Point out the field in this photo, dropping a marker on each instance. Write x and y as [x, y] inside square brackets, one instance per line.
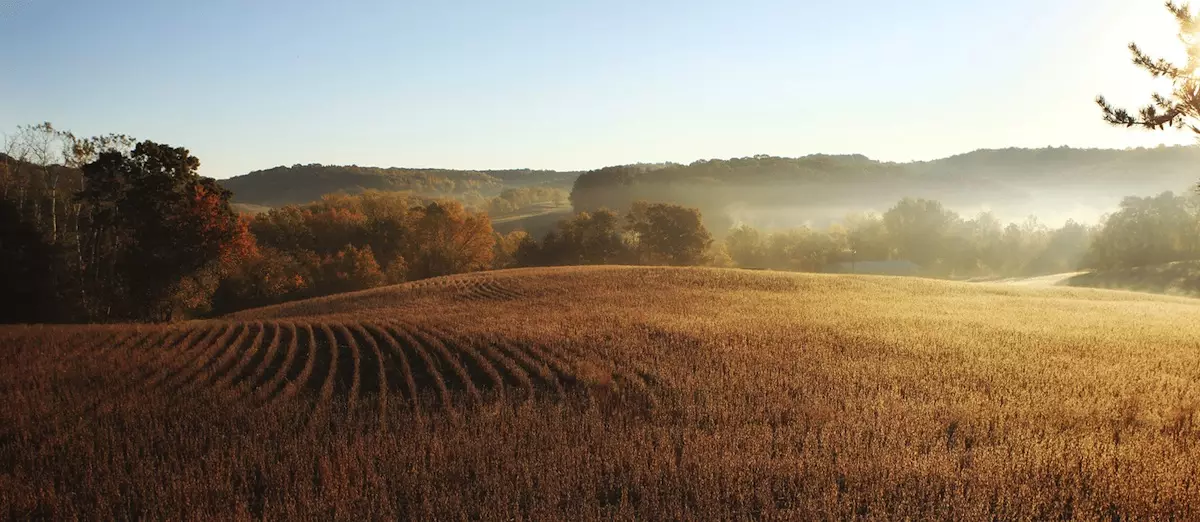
[607, 392]
[536, 220]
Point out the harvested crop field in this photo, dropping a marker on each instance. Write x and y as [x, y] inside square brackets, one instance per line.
[613, 392]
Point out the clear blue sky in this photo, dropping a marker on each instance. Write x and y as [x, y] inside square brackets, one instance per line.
[573, 85]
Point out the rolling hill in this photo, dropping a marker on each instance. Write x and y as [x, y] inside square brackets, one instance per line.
[766, 191]
[826, 184]
[300, 184]
[618, 392]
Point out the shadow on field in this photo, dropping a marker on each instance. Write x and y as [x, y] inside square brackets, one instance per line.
[1181, 278]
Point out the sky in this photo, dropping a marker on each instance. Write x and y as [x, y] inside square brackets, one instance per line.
[481, 84]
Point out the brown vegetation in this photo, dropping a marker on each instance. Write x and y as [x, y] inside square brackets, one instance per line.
[664, 393]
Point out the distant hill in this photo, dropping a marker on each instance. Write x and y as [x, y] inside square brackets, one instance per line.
[1015, 182]
[306, 183]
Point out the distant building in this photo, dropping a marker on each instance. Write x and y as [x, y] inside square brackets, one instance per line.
[896, 268]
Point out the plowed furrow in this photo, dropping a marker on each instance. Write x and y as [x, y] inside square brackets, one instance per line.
[487, 293]
[349, 381]
[324, 379]
[565, 371]
[499, 291]
[124, 341]
[303, 365]
[80, 344]
[154, 362]
[177, 362]
[457, 378]
[145, 370]
[267, 384]
[474, 293]
[511, 293]
[537, 370]
[130, 343]
[482, 374]
[203, 359]
[495, 291]
[242, 383]
[398, 375]
[373, 384]
[426, 369]
[637, 390]
[513, 373]
[255, 348]
[220, 362]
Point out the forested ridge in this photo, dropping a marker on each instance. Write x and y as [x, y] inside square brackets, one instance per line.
[983, 176]
[1013, 172]
[300, 184]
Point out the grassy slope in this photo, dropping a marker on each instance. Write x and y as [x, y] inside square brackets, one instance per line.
[744, 394]
[536, 222]
[1181, 278]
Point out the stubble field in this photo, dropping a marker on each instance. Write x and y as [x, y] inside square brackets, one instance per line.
[614, 392]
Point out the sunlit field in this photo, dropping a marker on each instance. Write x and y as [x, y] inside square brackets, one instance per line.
[646, 393]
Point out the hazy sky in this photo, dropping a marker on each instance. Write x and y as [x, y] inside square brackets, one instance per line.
[573, 85]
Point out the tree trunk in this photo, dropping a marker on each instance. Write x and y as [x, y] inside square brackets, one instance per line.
[53, 179]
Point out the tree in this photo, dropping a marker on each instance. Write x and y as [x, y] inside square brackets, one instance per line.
[1181, 108]
[917, 228]
[351, 269]
[447, 239]
[1064, 251]
[269, 276]
[589, 238]
[155, 223]
[507, 246]
[1147, 231]
[668, 234]
[745, 247]
[803, 249]
[30, 272]
[867, 238]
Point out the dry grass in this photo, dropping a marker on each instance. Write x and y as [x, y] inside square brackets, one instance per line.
[618, 392]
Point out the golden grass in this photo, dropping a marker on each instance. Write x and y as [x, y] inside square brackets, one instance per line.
[612, 392]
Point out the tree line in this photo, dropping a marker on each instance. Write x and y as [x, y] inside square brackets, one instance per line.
[938, 242]
[111, 229]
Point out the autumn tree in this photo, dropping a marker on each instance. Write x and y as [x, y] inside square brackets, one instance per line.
[268, 277]
[507, 246]
[448, 239]
[351, 268]
[156, 222]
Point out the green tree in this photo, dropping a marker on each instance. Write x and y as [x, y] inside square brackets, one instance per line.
[589, 238]
[1147, 231]
[917, 229]
[668, 234]
[745, 247]
[804, 250]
